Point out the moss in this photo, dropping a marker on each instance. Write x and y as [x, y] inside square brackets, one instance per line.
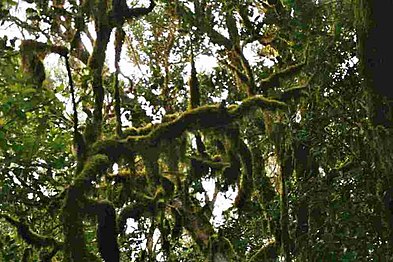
[136, 210]
[113, 149]
[150, 159]
[141, 131]
[28, 235]
[246, 181]
[75, 243]
[251, 103]
[95, 165]
[207, 163]
[106, 229]
[193, 84]
[201, 118]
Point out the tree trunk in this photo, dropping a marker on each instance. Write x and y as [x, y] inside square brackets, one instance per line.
[376, 56]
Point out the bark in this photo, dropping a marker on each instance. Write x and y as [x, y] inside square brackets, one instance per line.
[376, 56]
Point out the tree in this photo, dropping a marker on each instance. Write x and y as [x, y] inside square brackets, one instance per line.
[105, 155]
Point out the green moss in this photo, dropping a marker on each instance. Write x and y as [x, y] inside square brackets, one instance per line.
[75, 243]
[141, 131]
[94, 166]
[251, 103]
[207, 163]
[113, 149]
[246, 181]
[136, 210]
[201, 118]
[28, 235]
[193, 84]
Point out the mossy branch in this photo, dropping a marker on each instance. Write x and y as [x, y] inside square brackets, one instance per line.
[96, 64]
[273, 79]
[136, 12]
[246, 180]
[254, 102]
[202, 162]
[106, 229]
[201, 118]
[33, 53]
[75, 201]
[28, 46]
[144, 208]
[140, 131]
[94, 166]
[212, 116]
[204, 117]
[297, 91]
[29, 236]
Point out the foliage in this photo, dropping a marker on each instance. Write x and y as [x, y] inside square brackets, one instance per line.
[124, 127]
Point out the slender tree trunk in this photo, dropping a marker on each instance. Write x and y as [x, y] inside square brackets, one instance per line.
[286, 172]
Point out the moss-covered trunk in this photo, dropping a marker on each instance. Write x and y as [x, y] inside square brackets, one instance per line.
[374, 19]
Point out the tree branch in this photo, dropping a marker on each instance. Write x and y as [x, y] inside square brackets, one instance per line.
[29, 236]
[137, 11]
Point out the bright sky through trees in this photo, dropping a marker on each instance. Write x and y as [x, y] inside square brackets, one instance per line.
[195, 130]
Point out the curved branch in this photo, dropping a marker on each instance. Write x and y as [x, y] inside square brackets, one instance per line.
[138, 11]
[201, 118]
[135, 211]
[29, 236]
[121, 12]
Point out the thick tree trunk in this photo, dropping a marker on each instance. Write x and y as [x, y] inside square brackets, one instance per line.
[374, 20]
